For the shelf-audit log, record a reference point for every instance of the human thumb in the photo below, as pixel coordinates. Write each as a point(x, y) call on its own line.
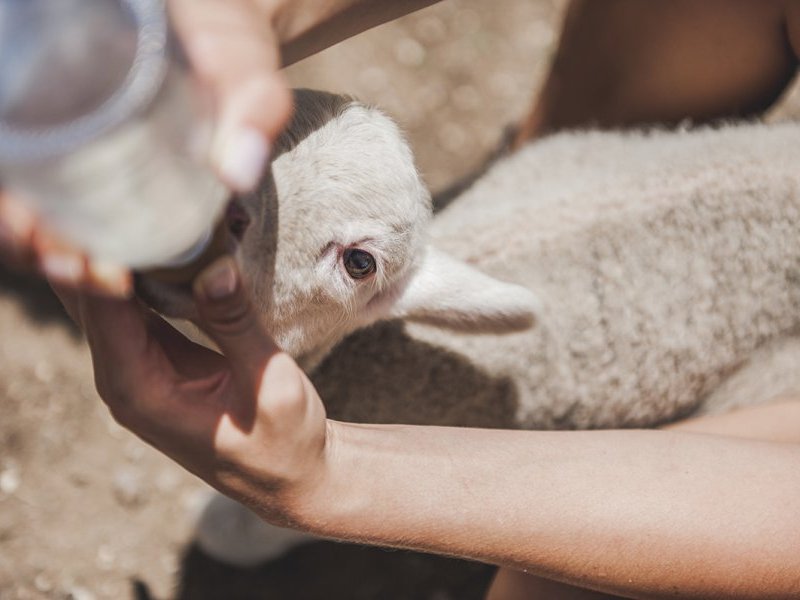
point(227, 315)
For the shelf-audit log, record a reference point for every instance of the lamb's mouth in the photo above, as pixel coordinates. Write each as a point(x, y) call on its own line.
point(171, 295)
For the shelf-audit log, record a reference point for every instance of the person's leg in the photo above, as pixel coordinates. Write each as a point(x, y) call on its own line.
point(629, 62)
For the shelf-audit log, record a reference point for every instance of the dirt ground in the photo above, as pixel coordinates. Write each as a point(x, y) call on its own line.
point(89, 512)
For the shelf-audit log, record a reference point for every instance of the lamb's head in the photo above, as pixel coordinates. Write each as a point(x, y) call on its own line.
point(338, 239)
point(335, 238)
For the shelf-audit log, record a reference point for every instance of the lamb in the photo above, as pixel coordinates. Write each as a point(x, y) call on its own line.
point(591, 280)
point(662, 261)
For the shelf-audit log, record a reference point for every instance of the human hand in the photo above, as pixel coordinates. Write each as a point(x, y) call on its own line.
point(234, 53)
point(249, 423)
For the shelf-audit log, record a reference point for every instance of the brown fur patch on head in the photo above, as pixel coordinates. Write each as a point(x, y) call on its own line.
point(312, 110)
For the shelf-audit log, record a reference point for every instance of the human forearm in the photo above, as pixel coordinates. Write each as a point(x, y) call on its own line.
point(308, 26)
point(634, 512)
point(775, 422)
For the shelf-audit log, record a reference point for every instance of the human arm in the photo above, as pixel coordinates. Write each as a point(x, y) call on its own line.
point(622, 63)
point(631, 512)
point(639, 513)
point(776, 421)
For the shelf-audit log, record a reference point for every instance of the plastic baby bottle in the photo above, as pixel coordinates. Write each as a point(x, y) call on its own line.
point(103, 131)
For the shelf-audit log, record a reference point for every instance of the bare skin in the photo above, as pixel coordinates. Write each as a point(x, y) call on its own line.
point(627, 62)
point(252, 426)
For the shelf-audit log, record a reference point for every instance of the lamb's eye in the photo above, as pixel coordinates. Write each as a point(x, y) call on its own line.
point(358, 263)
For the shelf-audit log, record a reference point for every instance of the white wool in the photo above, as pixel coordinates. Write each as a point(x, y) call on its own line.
point(663, 260)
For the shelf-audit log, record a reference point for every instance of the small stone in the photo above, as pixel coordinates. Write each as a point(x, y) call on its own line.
point(43, 371)
point(79, 593)
point(42, 583)
point(105, 557)
point(10, 480)
point(129, 487)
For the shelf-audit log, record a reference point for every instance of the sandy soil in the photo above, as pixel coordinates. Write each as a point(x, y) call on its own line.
point(87, 511)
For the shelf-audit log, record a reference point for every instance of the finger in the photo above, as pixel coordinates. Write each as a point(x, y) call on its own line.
point(109, 279)
point(17, 223)
point(252, 116)
point(228, 316)
point(61, 263)
point(27, 244)
point(233, 50)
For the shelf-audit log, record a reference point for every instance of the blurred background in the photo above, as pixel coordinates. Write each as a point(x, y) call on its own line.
point(89, 512)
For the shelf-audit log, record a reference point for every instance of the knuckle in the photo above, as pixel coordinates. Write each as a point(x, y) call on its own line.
point(233, 319)
point(284, 396)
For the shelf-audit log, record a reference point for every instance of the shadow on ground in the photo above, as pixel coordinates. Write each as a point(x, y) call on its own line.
point(333, 571)
point(35, 296)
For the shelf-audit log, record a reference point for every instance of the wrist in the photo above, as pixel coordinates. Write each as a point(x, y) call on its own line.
point(300, 498)
point(315, 503)
point(377, 485)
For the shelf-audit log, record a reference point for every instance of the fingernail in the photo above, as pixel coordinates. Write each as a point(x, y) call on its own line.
point(66, 268)
point(111, 277)
point(242, 158)
point(219, 281)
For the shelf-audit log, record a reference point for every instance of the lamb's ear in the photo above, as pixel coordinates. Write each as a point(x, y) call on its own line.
point(446, 292)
